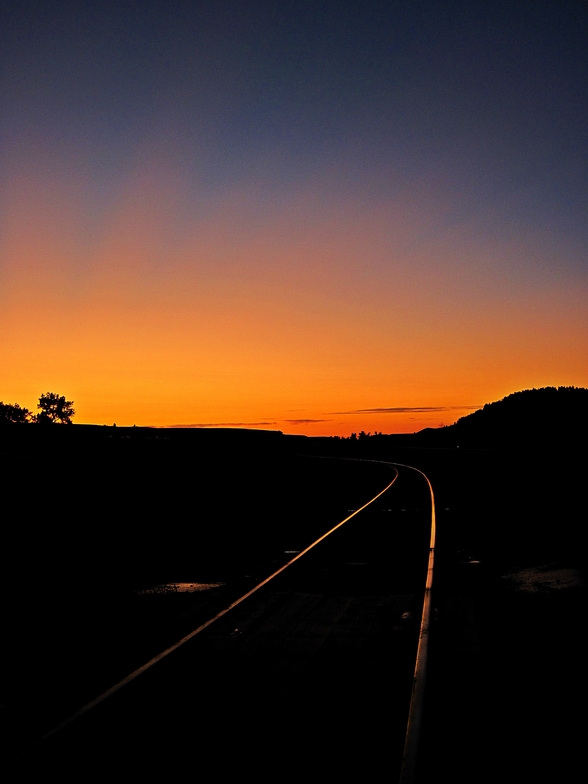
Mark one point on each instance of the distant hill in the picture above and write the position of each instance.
(550, 415)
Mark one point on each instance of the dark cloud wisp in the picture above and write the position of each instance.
(305, 421)
(226, 424)
(407, 410)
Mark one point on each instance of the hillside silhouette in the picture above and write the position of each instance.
(550, 415)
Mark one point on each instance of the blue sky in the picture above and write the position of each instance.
(422, 156)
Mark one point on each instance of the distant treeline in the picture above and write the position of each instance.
(532, 416)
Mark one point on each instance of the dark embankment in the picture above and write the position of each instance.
(99, 513)
(511, 473)
(507, 660)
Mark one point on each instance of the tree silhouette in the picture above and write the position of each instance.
(55, 409)
(12, 412)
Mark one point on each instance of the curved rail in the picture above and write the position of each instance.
(131, 677)
(417, 699)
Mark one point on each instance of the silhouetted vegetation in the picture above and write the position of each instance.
(12, 413)
(53, 409)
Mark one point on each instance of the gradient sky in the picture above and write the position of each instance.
(312, 216)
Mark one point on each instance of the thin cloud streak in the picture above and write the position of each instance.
(224, 424)
(406, 410)
(306, 421)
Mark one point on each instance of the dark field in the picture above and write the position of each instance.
(101, 518)
(100, 514)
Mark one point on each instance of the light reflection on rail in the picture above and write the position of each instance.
(133, 675)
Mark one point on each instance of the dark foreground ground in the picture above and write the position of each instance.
(506, 678)
(99, 516)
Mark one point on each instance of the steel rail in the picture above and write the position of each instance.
(417, 699)
(140, 670)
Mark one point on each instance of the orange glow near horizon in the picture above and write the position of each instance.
(294, 316)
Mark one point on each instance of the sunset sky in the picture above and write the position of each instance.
(314, 216)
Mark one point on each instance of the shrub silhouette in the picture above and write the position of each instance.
(13, 413)
(55, 409)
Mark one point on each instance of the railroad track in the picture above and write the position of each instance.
(312, 672)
